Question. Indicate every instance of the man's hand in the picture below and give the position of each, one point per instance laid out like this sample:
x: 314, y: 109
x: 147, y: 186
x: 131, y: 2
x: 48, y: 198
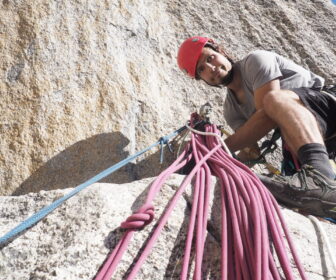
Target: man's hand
x: 249, y: 153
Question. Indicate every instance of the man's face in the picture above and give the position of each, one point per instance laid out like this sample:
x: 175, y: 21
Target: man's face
x: 213, y: 67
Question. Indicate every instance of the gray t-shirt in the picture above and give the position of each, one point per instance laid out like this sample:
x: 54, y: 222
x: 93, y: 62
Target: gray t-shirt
x: 258, y: 68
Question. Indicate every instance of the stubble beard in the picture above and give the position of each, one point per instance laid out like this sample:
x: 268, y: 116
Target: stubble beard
x: 228, y: 78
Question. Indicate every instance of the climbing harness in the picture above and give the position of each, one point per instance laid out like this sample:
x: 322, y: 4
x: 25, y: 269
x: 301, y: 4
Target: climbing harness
x: 250, y: 217
x: 48, y: 209
x: 330, y: 90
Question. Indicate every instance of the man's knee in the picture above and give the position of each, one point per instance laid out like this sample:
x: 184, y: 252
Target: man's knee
x: 279, y: 99
x: 272, y: 100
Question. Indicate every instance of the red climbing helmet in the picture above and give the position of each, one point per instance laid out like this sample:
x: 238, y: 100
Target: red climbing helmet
x: 189, y: 53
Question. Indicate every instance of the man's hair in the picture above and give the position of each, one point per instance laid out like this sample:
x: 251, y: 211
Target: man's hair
x: 219, y: 49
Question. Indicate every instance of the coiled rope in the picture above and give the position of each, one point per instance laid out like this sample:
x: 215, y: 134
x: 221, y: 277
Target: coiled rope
x: 250, y: 218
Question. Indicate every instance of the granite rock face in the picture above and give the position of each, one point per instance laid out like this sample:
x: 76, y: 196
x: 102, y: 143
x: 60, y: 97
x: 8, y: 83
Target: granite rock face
x: 74, y: 240
x: 84, y: 84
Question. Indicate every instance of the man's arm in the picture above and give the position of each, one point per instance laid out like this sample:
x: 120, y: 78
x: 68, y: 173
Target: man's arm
x: 258, y: 125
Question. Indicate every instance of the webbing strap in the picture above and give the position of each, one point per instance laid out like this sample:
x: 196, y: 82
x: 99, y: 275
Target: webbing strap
x: 46, y: 210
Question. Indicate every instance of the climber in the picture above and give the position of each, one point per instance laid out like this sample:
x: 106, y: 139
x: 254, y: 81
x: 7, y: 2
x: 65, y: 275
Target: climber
x: 266, y: 91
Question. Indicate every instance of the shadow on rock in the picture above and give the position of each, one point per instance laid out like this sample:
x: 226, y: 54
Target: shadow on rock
x: 89, y: 157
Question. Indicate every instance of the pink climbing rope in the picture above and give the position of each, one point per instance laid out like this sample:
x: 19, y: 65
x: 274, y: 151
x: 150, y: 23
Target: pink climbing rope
x: 250, y: 219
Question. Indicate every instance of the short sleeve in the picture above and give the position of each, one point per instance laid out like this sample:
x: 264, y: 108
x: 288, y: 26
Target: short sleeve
x: 261, y: 67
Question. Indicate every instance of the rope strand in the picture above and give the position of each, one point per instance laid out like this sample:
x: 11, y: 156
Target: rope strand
x: 249, y: 216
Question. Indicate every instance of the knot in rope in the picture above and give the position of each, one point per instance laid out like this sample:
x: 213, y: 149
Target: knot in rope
x: 139, y: 219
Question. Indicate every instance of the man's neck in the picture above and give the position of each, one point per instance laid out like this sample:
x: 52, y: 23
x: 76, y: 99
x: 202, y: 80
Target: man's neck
x: 236, y: 85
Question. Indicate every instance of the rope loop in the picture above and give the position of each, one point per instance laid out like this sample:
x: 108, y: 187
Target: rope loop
x: 139, y: 219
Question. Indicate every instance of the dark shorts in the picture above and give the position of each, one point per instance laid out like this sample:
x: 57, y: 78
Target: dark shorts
x: 323, y: 108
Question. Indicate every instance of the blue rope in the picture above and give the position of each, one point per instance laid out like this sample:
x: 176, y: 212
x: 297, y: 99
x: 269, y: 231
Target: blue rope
x: 46, y: 210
